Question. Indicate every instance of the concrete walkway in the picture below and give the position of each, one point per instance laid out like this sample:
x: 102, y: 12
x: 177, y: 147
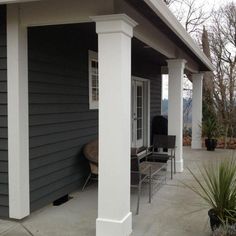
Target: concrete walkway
x: 174, y: 210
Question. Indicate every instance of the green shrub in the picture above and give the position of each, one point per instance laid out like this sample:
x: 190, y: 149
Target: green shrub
x: 210, y: 128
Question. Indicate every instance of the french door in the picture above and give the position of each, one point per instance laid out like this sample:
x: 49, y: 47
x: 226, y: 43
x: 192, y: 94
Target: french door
x: 140, y: 112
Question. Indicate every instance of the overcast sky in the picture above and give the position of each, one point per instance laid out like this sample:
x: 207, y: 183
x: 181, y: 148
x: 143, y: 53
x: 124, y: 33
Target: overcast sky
x: 208, y: 6
x: 210, y: 2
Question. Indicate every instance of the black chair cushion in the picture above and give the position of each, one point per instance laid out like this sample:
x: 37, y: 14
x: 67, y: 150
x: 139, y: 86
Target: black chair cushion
x: 159, y: 157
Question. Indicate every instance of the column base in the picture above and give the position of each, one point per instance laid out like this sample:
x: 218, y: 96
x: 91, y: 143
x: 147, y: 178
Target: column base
x: 107, y: 227
x: 196, y: 144
x: 179, y: 166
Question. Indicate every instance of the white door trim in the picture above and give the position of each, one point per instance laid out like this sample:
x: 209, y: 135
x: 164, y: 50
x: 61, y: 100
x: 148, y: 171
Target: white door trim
x: 147, y: 109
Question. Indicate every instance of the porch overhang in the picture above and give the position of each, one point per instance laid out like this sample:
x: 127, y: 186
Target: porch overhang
x: 171, y: 21
x: 160, y: 15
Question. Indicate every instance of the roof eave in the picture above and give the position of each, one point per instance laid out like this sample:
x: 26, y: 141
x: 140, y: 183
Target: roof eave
x: 15, y: 1
x: 162, y: 11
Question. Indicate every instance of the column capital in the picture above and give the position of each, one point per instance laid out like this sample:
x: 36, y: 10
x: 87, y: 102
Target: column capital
x: 116, y: 23
x: 198, y: 76
x: 176, y: 63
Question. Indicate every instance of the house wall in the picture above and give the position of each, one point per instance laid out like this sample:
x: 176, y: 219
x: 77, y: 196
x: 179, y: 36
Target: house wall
x: 60, y: 119
x: 155, y: 97
x: 4, y: 200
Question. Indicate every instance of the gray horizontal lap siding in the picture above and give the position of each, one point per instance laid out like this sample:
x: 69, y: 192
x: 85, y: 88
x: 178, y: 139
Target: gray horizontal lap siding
x: 149, y: 70
x: 59, y: 116
x: 4, y: 199
x: 155, y: 96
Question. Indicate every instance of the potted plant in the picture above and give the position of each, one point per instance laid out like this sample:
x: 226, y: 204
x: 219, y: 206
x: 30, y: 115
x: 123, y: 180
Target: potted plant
x: 225, y: 230
x: 216, y: 185
x: 210, y: 130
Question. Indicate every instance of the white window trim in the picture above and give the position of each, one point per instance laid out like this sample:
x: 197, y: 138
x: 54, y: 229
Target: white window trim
x: 92, y: 55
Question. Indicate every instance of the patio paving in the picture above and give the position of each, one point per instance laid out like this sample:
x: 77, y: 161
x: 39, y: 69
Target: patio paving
x: 174, y: 210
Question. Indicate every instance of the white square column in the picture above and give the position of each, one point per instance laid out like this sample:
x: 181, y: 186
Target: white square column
x: 18, y: 124
x: 197, y: 111
x: 114, y: 56
x: 175, y: 107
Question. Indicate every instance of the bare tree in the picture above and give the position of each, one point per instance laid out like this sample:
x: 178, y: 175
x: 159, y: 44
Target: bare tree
x: 208, y: 99
x: 190, y: 14
x: 220, y: 87
x: 169, y: 2
x: 223, y: 47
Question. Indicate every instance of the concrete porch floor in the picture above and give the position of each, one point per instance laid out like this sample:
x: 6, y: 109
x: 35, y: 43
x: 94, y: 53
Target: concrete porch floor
x: 174, y: 210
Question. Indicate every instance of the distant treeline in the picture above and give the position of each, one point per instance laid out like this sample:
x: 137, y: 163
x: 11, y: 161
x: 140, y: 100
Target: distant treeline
x: 187, y: 109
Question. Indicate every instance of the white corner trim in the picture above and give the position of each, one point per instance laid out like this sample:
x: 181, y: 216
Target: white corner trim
x: 18, y: 124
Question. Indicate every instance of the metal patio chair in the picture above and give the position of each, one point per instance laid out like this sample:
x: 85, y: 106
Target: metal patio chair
x: 160, y: 143
x: 143, y: 171
x: 91, y: 153
x: 138, y: 178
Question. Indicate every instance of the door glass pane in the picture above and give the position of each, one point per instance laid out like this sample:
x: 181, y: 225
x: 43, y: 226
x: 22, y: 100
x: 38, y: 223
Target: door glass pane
x: 139, y: 112
x: 94, y: 67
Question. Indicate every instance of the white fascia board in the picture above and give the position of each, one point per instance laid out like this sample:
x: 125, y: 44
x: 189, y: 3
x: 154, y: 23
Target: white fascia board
x: 160, y: 8
x: 15, y: 1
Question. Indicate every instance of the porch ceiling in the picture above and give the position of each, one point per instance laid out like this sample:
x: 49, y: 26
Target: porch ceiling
x: 140, y: 49
x: 146, y: 60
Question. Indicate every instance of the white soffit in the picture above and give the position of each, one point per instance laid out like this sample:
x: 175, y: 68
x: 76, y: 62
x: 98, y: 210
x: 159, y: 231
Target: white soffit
x: 160, y: 8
